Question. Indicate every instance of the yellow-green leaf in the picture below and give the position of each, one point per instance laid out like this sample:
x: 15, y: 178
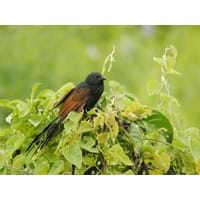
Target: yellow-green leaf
x: 87, y: 143
x: 73, y: 154
x: 161, y: 161
x: 34, y: 89
x: 116, y: 155
x: 42, y: 168
x: 57, y: 167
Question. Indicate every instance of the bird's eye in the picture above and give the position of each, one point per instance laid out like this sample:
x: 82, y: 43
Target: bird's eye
x: 97, y: 76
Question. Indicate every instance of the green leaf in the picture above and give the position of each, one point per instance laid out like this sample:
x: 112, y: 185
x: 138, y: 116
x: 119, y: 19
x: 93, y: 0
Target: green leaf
x: 9, y: 118
x: 19, y: 141
x: 19, y: 161
x: 170, y: 63
x: 65, y: 88
x: 34, y: 89
x: 116, y: 155
x: 75, y: 116
x: 87, y: 143
x: 112, y: 125
x: 5, y: 132
x: 57, y: 167
x: 99, y: 121
x: 47, y: 93
x: 85, y: 127
x: 161, y: 122
x: 153, y: 87
x: 194, y: 143
x: 197, y: 167
x: 69, y: 126
x: 178, y: 142
x: 102, y: 138
x: 73, y: 154
x: 168, y: 60
x: 188, y: 163
x: 89, y: 160
x: 135, y: 131
x: 161, y: 161
x: 42, y: 168
x: 22, y: 108
x: 35, y: 119
x: 14, y: 142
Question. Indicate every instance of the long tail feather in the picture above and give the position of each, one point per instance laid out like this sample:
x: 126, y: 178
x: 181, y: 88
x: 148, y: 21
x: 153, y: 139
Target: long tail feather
x: 45, y: 136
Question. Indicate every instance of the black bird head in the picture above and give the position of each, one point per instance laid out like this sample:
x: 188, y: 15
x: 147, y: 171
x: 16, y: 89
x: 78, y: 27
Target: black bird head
x: 95, y: 78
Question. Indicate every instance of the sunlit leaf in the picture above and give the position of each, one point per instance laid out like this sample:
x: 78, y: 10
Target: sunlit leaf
x: 42, y: 168
x: 9, y: 118
x: 85, y: 127
x: 89, y: 160
x: 35, y: 120
x: 112, y: 125
x: 188, y: 163
x: 73, y: 154
x: 65, y: 88
x: 99, y: 121
x: 57, y: 167
x: 161, y: 161
x: 197, y: 167
x: 87, y: 143
x: 34, y: 90
x: 75, y: 117
x: 18, y: 161
x: 161, y: 122
x: 116, y: 155
x: 102, y: 138
x: 5, y: 132
x: 22, y: 108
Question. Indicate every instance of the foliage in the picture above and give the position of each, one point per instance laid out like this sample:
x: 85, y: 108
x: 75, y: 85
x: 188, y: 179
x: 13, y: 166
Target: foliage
x: 119, y: 136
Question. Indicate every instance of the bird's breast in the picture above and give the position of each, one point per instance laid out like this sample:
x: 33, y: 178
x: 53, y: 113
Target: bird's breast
x: 94, y: 96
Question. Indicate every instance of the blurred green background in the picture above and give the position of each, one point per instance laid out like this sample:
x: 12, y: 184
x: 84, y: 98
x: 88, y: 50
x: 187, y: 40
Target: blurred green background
x: 55, y: 55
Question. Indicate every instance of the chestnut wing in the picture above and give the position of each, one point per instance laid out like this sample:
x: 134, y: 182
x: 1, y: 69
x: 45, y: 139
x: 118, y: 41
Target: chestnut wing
x: 74, y: 102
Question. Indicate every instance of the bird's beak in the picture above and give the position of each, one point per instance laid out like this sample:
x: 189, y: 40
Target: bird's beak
x: 103, y: 78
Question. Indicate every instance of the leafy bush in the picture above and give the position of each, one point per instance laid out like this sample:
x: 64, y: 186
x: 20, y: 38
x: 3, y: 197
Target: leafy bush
x: 119, y: 136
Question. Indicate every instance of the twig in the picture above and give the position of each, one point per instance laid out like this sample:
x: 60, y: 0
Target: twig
x: 109, y: 59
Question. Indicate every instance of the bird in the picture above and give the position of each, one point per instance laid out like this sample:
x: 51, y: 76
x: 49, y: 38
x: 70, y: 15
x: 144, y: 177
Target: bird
x: 81, y: 98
